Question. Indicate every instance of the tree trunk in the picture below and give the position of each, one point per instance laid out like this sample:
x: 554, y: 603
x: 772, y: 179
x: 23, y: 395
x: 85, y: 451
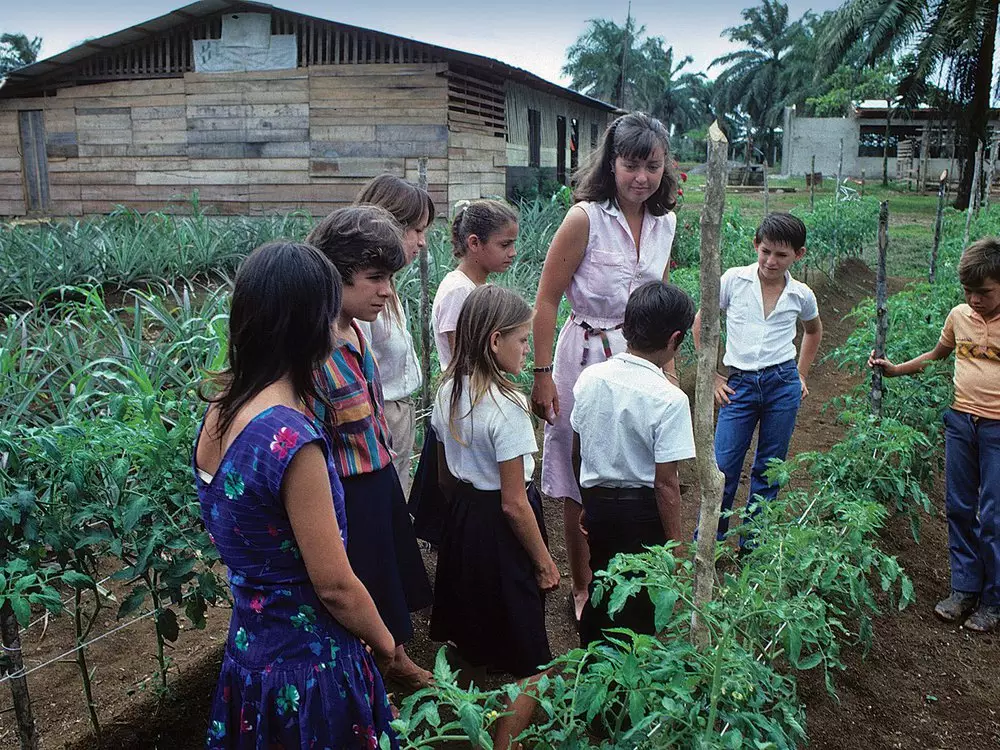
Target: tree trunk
x: 425, y: 311
x: 979, y: 112
x: 709, y: 476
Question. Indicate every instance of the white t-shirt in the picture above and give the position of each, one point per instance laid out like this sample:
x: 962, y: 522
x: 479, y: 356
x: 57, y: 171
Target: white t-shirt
x: 629, y: 418
x: 497, y: 430
x: 754, y: 342
x: 391, y: 343
x: 451, y: 294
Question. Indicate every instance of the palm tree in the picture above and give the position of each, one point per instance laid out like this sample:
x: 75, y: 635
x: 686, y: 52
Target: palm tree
x: 681, y: 100
x: 958, y: 37
x: 606, y: 63
x: 16, y: 51
x: 769, y: 72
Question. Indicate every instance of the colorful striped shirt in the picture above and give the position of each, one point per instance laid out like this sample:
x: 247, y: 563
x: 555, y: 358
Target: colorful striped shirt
x: 357, y: 427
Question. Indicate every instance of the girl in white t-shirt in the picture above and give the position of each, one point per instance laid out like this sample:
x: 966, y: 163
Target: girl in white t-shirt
x: 389, y: 334
x: 493, y: 563
x: 483, y: 236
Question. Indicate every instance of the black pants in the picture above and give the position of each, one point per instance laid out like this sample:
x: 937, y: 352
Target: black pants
x: 619, y: 521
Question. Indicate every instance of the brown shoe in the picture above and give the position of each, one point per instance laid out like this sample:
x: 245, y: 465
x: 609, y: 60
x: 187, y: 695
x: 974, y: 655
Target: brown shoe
x: 956, y: 607
x: 985, y: 619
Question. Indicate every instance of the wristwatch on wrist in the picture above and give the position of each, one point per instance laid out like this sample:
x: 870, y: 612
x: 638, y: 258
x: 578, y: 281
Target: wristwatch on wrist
x: 547, y: 368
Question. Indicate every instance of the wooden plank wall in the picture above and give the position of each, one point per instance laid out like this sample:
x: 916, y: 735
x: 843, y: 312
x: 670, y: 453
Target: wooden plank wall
x: 477, y: 148
x: 11, y: 180
x: 250, y: 143
x: 520, y: 99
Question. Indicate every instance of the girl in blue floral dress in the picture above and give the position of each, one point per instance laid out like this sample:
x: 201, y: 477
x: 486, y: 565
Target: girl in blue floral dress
x: 296, y: 672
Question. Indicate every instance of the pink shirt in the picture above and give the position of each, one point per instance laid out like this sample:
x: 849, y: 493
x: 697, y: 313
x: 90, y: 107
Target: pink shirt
x: 612, y: 266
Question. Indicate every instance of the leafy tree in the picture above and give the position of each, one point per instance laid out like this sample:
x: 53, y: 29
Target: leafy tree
x: 682, y: 100
x: 847, y: 85
x: 16, y: 51
x: 769, y: 72
x: 606, y: 63
x: 957, y: 38
x: 615, y: 63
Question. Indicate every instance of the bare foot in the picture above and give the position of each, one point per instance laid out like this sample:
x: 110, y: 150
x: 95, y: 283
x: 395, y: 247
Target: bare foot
x: 407, y: 674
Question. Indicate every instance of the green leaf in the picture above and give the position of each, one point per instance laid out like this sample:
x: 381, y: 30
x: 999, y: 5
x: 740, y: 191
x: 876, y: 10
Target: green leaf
x: 794, y: 645
x: 22, y: 610
x: 195, y: 609
x: 166, y: 623
x: 906, y: 595
x: 134, y: 512
x: 664, y: 601
x: 811, y: 661
x: 470, y: 720
x: 77, y: 580
x: 133, y: 601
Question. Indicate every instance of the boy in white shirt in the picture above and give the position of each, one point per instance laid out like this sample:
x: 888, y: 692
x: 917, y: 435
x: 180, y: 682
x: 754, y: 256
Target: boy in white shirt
x: 763, y: 304
x: 632, y: 426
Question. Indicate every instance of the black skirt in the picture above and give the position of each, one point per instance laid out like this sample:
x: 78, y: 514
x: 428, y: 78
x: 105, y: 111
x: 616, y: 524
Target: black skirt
x: 486, y: 599
x: 617, y: 521
x: 383, y: 550
x: 428, y: 505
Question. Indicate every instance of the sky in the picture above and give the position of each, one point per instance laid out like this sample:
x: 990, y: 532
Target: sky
x: 529, y: 34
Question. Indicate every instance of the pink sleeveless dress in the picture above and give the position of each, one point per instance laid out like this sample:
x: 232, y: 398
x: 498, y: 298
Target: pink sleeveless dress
x: 611, y: 268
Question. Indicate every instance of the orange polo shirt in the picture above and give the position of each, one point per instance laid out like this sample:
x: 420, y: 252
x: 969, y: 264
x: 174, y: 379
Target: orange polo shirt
x: 977, y: 361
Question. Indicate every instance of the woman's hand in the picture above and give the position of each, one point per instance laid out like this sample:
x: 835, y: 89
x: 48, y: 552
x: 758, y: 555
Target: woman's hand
x: 544, y: 397
x: 547, y: 576
x: 722, y: 390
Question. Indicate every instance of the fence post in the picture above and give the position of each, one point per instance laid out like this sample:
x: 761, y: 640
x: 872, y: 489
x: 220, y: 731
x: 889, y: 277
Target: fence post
x: 710, y: 478
x: 836, y: 212
x: 862, y: 183
x: 766, y: 190
x: 973, y: 194
x: 11, y: 638
x: 990, y: 165
x: 938, y: 220
x: 812, y: 185
x: 881, y: 297
x: 425, y: 310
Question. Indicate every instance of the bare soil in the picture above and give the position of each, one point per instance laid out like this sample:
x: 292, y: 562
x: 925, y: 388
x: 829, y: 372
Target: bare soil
x: 925, y: 685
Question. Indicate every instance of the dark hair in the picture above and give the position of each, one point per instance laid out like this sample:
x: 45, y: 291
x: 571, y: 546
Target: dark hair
x: 782, y: 228
x: 482, y: 218
x: 360, y: 237
x: 405, y: 201
x: 631, y: 136
x: 980, y: 261
x: 285, y: 300
x: 655, y: 312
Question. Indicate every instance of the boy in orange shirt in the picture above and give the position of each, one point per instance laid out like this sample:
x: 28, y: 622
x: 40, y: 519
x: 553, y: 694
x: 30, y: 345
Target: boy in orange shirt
x: 972, y: 439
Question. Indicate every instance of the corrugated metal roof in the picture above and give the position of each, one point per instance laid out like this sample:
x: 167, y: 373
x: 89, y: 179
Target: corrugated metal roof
x: 22, y: 78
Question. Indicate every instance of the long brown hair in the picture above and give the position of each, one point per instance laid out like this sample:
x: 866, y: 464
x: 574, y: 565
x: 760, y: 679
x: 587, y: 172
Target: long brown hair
x: 489, y: 309
x: 480, y: 217
x: 285, y: 300
x: 408, y: 204
x: 631, y: 136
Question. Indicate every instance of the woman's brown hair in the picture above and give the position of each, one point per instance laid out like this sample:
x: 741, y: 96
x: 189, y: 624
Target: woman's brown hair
x: 631, y: 136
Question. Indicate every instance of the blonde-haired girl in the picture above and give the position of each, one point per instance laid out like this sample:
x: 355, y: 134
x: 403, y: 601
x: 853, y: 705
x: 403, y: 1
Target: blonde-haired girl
x: 493, y: 563
x: 483, y: 236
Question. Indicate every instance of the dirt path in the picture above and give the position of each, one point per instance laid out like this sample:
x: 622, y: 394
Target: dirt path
x: 924, y: 686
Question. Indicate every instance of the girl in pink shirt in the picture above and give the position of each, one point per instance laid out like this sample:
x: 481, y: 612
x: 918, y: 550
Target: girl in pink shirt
x: 616, y: 238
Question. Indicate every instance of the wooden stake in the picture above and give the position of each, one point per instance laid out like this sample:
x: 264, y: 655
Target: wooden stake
x: 812, y: 185
x: 938, y: 220
x: 990, y: 166
x: 862, y: 183
x: 881, y: 297
x: 710, y: 478
x: 425, y: 311
x: 766, y: 190
x: 11, y: 638
x: 972, y: 196
x: 836, y: 212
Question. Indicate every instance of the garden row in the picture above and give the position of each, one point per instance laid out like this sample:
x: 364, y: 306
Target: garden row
x: 98, y: 412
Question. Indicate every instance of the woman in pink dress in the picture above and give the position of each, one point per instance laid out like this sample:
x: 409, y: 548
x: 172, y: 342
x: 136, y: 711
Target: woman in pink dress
x: 614, y: 239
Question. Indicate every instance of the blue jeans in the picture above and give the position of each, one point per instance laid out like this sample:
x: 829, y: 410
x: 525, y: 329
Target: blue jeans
x: 972, y: 503
x: 770, y: 398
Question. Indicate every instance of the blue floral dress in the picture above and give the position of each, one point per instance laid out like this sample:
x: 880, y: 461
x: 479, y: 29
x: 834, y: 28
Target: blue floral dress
x: 292, y: 676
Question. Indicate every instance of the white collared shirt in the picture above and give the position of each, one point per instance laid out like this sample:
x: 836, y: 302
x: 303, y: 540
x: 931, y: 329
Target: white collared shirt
x: 496, y: 430
x: 629, y: 418
x: 391, y: 343
x: 454, y: 288
x: 754, y: 342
